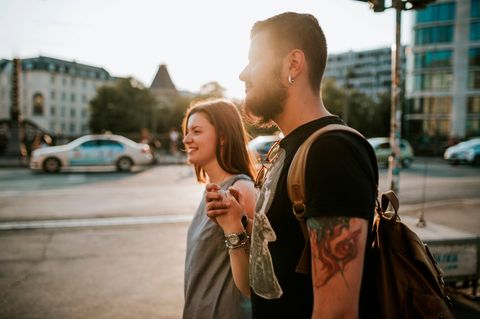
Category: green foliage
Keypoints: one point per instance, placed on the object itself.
(125, 107)
(370, 117)
(212, 89)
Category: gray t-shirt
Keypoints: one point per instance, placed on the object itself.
(210, 291)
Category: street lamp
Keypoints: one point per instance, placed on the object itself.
(395, 110)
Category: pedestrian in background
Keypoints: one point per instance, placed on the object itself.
(216, 145)
(287, 58)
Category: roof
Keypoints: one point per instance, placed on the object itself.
(162, 79)
(62, 66)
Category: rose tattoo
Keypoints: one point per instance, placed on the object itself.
(336, 244)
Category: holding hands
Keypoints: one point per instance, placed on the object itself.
(226, 208)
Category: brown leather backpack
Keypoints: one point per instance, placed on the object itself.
(408, 282)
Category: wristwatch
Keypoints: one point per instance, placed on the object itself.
(235, 240)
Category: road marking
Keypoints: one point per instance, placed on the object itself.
(95, 222)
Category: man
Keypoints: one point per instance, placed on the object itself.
(287, 59)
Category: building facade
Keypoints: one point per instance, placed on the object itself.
(54, 93)
(443, 73)
(368, 71)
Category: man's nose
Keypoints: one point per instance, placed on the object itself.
(243, 75)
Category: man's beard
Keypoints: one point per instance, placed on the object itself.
(262, 108)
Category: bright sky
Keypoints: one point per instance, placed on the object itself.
(198, 40)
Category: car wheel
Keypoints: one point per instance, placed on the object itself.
(51, 165)
(407, 162)
(476, 161)
(124, 164)
(454, 163)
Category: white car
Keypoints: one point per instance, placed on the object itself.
(467, 152)
(92, 150)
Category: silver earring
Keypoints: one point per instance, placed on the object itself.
(290, 80)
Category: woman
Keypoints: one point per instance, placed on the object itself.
(215, 141)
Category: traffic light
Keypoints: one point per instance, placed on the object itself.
(376, 5)
(419, 4)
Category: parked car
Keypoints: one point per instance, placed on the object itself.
(467, 152)
(92, 150)
(260, 145)
(382, 148)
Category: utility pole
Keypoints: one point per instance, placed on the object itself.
(395, 109)
(14, 146)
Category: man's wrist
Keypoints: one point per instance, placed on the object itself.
(233, 228)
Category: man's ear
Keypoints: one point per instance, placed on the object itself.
(296, 62)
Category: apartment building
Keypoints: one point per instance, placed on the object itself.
(54, 93)
(369, 71)
(443, 73)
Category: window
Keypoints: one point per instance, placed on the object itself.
(62, 111)
(438, 81)
(52, 94)
(474, 31)
(473, 105)
(89, 144)
(52, 78)
(438, 12)
(437, 127)
(53, 110)
(84, 98)
(474, 57)
(72, 113)
(474, 79)
(475, 9)
(72, 128)
(64, 96)
(64, 81)
(436, 105)
(72, 81)
(72, 97)
(38, 101)
(433, 59)
(438, 34)
(472, 127)
(84, 113)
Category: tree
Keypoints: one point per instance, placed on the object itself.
(125, 107)
(212, 89)
(370, 117)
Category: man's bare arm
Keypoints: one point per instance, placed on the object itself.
(338, 249)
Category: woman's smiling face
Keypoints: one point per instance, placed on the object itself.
(200, 140)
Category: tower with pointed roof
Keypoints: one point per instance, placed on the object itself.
(163, 88)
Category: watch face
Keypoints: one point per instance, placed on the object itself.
(234, 240)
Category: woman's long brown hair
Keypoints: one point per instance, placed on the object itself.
(231, 144)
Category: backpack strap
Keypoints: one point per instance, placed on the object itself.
(296, 187)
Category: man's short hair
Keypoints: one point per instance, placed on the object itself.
(292, 30)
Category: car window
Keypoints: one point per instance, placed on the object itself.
(383, 146)
(89, 144)
(110, 143)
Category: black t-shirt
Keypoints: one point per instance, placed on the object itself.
(341, 180)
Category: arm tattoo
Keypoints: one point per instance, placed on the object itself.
(334, 244)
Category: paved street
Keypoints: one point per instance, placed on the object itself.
(136, 270)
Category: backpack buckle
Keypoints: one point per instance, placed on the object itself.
(298, 210)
